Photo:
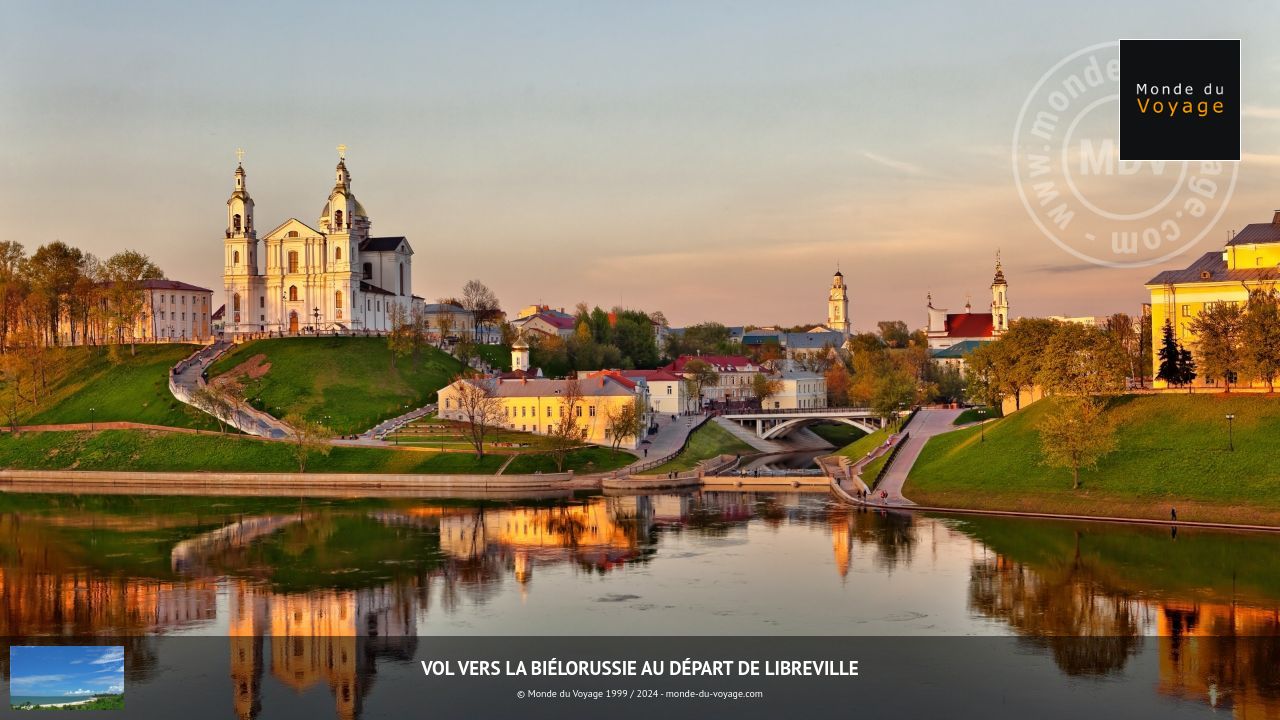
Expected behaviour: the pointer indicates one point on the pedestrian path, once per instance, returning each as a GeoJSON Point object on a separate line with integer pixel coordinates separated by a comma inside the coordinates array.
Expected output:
{"type": "Point", "coordinates": [926, 423]}
{"type": "Point", "coordinates": [669, 439]}
{"type": "Point", "coordinates": [189, 375]}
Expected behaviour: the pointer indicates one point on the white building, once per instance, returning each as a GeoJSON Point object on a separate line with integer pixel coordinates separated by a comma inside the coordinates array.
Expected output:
{"type": "Point", "coordinates": [800, 389]}
{"type": "Point", "coordinates": [333, 277]}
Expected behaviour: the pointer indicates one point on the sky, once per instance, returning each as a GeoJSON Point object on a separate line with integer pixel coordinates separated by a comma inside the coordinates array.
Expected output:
{"type": "Point", "coordinates": [714, 160]}
{"type": "Point", "coordinates": [70, 670]}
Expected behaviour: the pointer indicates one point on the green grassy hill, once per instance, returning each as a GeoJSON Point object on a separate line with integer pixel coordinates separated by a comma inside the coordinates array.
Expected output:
{"type": "Point", "coordinates": [706, 442]}
{"type": "Point", "coordinates": [1171, 451]}
{"type": "Point", "coordinates": [149, 451]}
{"type": "Point", "coordinates": [347, 384]}
{"type": "Point", "coordinates": [132, 388]}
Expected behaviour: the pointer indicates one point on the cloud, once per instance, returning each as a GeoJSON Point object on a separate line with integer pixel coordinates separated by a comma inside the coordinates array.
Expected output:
{"type": "Point", "coordinates": [119, 669]}
{"type": "Point", "coordinates": [78, 692]}
{"type": "Point", "coordinates": [112, 654]}
{"type": "Point", "coordinates": [900, 165]}
{"type": "Point", "coordinates": [28, 680]}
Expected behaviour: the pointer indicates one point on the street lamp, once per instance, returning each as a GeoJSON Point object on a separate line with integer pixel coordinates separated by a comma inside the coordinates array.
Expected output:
{"type": "Point", "coordinates": [315, 326]}
{"type": "Point", "coordinates": [1231, 445]}
{"type": "Point", "coordinates": [91, 419]}
{"type": "Point", "coordinates": [982, 426]}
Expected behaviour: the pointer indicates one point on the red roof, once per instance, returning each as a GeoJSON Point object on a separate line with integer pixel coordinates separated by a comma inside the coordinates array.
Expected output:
{"type": "Point", "coordinates": [612, 375]}
{"type": "Point", "coordinates": [969, 325]}
{"type": "Point", "coordinates": [719, 362]}
{"type": "Point", "coordinates": [658, 375]}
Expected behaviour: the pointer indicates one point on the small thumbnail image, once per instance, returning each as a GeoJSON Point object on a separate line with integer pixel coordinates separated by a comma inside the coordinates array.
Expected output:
{"type": "Point", "coordinates": [66, 677]}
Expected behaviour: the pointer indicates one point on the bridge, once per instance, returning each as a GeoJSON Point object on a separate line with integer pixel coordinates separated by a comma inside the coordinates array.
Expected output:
{"type": "Point", "coordinates": [772, 424]}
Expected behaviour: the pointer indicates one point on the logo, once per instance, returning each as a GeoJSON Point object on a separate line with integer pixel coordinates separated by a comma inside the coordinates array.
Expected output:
{"type": "Point", "coordinates": [1078, 191]}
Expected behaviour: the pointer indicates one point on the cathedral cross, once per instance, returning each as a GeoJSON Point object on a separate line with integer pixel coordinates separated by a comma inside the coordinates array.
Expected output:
{"type": "Point", "coordinates": [239, 155]}
{"type": "Point", "coordinates": [342, 152]}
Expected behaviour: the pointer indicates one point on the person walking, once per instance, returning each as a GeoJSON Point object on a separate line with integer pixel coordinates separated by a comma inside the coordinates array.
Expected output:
{"type": "Point", "coordinates": [1173, 514]}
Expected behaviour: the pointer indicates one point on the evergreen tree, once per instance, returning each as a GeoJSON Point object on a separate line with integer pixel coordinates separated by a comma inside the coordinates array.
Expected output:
{"type": "Point", "coordinates": [1186, 371]}
{"type": "Point", "coordinates": [1170, 357]}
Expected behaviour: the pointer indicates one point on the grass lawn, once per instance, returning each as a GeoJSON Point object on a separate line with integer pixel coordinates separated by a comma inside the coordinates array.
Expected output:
{"type": "Point", "coordinates": [873, 467]}
{"type": "Point", "coordinates": [863, 445]}
{"type": "Point", "coordinates": [1171, 451]}
{"type": "Point", "coordinates": [498, 356]}
{"type": "Point", "coordinates": [972, 415]}
{"type": "Point", "coordinates": [838, 434]}
{"type": "Point", "coordinates": [585, 460]}
{"type": "Point", "coordinates": [347, 384]}
{"type": "Point", "coordinates": [174, 452]}
{"type": "Point", "coordinates": [707, 441]}
{"type": "Point", "coordinates": [132, 388]}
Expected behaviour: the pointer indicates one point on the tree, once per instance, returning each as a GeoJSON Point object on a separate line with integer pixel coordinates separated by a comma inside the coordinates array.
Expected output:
{"type": "Point", "coordinates": [837, 385]}
{"type": "Point", "coordinates": [479, 407]}
{"type": "Point", "coordinates": [1120, 327]}
{"type": "Point", "coordinates": [54, 270]}
{"type": "Point", "coordinates": [698, 375]}
{"type": "Point", "coordinates": [1218, 347]}
{"type": "Point", "coordinates": [1260, 336]}
{"type": "Point", "coordinates": [1170, 356]}
{"type": "Point", "coordinates": [894, 333]}
{"type": "Point", "coordinates": [214, 403]}
{"type": "Point", "coordinates": [1075, 435]}
{"type": "Point", "coordinates": [13, 288]}
{"type": "Point", "coordinates": [764, 387]}
{"type": "Point", "coordinates": [1081, 360]}
{"type": "Point", "coordinates": [981, 383]}
{"type": "Point", "coordinates": [565, 433]}
{"type": "Point", "coordinates": [309, 438]}
{"type": "Point", "coordinates": [126, 297]}
{"type": "Point", "coordinates": [481, 302]}
{"type": "Point", "coordinates": [1186, 367]}
{"type": "Point", "coordinates": [894, 391]}
{"type": "Point", "coordinates": [627, 420]}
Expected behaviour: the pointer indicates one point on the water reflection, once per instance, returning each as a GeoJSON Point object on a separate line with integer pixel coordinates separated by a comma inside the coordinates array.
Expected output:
{"type": "Point", "coordinates": [316, 594]}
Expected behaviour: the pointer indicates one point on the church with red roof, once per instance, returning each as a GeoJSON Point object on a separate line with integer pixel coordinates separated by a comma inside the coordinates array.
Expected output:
{"type": "Point", "coordinates": [946, 329]}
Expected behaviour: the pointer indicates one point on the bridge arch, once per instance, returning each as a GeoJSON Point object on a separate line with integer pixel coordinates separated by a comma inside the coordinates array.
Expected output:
{"type": "Point", "coordinates": [785, 428]}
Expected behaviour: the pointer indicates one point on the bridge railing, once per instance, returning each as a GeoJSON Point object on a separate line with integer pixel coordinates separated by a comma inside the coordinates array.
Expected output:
{"type": "Point", "coordinates": [802, 411]}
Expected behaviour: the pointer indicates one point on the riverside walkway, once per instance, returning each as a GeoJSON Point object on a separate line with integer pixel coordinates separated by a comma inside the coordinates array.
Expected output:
{"type": "Point", "coordinates": [926, 423]}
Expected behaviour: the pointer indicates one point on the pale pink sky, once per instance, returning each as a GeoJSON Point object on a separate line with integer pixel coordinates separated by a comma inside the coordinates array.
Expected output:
{"type": "Point", "coordinates": [712, 160]}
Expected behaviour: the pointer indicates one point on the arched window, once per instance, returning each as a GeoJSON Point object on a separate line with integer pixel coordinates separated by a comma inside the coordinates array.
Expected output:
{"type": "Point", "coordinates": [368, 271]}
{"type": "Point", "coordinates": [337, 299]}
{"type": "Point", "coordinates": [235, 302]}
{"type": "Point", "coordinates": [337, 253]}
{"type": "Point", "coordinates": [235, 257]}
{"type": "Point", "coordinates": [293, 293]}
{"type": "Point", "coordinates": [337, 219]}
{"type": "Point", "coordinates": [293, 261]}
{"type": "Point", "coordinates": [235, 222]}
{"type": "Point", "coordinates": [401, 278]}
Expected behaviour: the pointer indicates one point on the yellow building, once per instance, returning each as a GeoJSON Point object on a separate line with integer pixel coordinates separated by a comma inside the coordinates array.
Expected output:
{"type": "Point", "coordinates": [537, 404]}
{"type": "Point", "coordinates": [1248, 261]}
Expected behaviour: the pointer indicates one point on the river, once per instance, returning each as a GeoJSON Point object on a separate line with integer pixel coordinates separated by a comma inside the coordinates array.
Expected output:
{"type": "Point", "coordinates": [703, 563]}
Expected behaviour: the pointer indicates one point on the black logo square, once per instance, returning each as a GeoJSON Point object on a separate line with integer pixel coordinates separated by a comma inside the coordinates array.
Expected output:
{"type": "Point", "coordinates": [1180, 100]}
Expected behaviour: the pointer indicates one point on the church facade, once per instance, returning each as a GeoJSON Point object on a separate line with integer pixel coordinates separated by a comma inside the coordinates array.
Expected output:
{"type": "Point", "coordinates": [946, 329]}
{"type": "Point", "coordinates": [334, 277]}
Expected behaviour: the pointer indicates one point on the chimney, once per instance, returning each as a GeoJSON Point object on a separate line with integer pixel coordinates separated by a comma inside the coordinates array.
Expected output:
{"type": "Point", "coordinates": [1275, 219]}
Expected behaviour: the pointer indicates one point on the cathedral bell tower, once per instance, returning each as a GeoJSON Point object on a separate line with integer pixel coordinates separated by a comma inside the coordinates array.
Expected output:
{"type": "Point", "coordinates": [241, 242]}
{"type": "Point", "coordinates": [999, 301]}
{"type": "Point", "coordinates": [838, 305]}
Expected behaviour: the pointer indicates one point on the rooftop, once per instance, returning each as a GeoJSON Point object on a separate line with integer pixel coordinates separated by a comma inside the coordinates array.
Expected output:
{"type": "Point", "coordinates": [1210, 267]}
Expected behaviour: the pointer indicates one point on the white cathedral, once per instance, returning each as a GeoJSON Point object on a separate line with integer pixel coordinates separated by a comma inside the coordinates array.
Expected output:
{"type": "Point", "coordinates": [336, 278]}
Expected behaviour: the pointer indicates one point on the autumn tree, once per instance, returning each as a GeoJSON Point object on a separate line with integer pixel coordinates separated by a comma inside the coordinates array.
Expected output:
{"type": "Point", "coordinates": [1076, 435]}
{"type": "Point", "coordinates": [479, 408]}
{"type": "Point", "coordinates": [210, 401]}
{"type": "Point", "coordinates": [624, 421]}
{"type": "Point", "coordinates": [308, 438]}
{"type": "Point", "coordinates": [124, 274]}
{"type": "Point", "coordinates": [1260, 336]}
{"type": "Point", "coordinates": [764, 387]}
{"type": "Point", "coordinates": [565, 433]}
{"type": "Point", "coordinates": [837, 377]}
{"type": "Point", "coordinates": [698, 376]}
{"type": "Point", "coordinates": [1081, 360]}
{"type": "Point", "coordinates": [1219, 347]}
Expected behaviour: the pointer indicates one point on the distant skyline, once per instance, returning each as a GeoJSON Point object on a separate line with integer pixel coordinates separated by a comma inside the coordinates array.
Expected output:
{"type": "Point", "coordinates": [711, 160]}
{"type": "Point", "coordinates": [65, 670]}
